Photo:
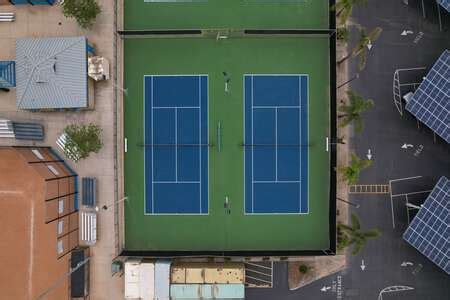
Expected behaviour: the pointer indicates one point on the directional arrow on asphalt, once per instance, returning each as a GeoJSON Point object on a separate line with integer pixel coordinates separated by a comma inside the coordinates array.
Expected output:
{"type": "Point", "coordinates": [325, 288]}
{"type": "Point", "coordinates": [363, 266]}
{"type": "Point", "coordinates": [406, 263]}
{"type": "Point", "coordinates": [369, 154]}
{"type": "Point", "coordinates": [369, 45]}
{"type": "Point", "coordinates": [406, 32]}
{"type": "Point", "coordinates": [406, 146]}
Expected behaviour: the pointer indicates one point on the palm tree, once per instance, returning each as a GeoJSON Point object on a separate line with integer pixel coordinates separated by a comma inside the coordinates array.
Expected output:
{"type": "Point", "coordinates": [353, 235]}
{"type": "Point", "coordinates": [344, 9]}
{"type": "Point", "coordinates": [363, 45]}
{"type": "Point", "coordinates": [352, 112]}
{"type": "Point", "coordinates": [352, 171]}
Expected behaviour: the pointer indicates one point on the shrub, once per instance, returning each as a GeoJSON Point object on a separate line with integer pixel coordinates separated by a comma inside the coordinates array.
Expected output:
{"type": "Point", "coordinates": [84, 11]}
{"type": "Point", "coordinates": [303, 269]}
{"type": "Point", "coordinates": [83, 139]}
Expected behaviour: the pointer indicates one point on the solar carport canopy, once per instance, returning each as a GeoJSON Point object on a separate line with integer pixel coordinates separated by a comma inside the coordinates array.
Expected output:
{"type": "Point", "coordinates": [429, 231]}
{"type": "Point", "coordinates": [445, 4]}
{"type": "Point", "coordinates": [431, 102]}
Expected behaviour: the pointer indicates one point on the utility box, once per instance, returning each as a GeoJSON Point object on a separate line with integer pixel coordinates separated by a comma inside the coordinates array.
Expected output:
{"type": "Point", "coordinates": [140, 280]}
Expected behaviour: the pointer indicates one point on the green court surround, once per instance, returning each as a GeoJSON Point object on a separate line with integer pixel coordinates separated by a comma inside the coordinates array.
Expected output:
{"type": "Point", "coordinates": [232, 14]}
{"type": "Point", "coordinates": [219, 231]}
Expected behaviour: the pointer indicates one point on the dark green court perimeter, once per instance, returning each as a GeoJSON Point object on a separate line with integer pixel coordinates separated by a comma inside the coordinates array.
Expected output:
{"type": "Point", "coordinates": [234, 14]}
{"type": "Point", "coordinates": [219, 231]}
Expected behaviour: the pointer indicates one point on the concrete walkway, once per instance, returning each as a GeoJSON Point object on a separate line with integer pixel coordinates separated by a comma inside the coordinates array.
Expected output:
{"type": "Point", "coordinates": [48, 21]}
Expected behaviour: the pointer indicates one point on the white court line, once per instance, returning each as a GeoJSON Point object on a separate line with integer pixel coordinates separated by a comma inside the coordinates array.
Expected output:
{"type": "Point", "coordinates": [187, 182]}
{"type": "Point", "coordinates": [276, 144]}
{"type": "Point", "coordinates": [276, 106]}
{"type": "Point", "coordinates": [177, 107]}
{"type": "Point", "coordinates": [300, 141]}
{"type": "Point", "coordinates": [253, 178]}
{"type": "Point", "coordinates": [176, 144]}
{"type": "Point", "coordinates": [200, 139]}
{"type": "Point", "coordinates": [153, 161]}
{"type": "Point", "coordinates": [277, 181]}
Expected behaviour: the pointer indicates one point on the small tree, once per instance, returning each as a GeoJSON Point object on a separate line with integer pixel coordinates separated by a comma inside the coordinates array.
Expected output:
{"type": "Point", "coordinates": [84, 11]}
{"type": "Point", "coordinates": [361, 47]}
{"type": "Point", "coordinates": [83, 139]}
{"type": "Point", "coordinates": [303, 269]}
{"type": "Point", "coordinates": [352, 111]}
{"type": "Point", "coordinates": [352, 171]}
{"type": "Point", "coordinates": [353, 235]}
{"type": "Point", "coordinates": [344, 9]}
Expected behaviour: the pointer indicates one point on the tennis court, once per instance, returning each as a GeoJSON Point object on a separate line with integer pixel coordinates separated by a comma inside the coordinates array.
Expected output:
{"type": "Point", "coordinates": [226, 137]}
{"type": "Point", "coordinates": [176, 141]}
{"type": "Point", "coordinates": [276, 141]}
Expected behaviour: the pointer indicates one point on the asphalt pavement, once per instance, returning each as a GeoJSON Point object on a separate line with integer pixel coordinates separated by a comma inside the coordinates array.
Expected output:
{"type": "Point", "coordinates": [384, 134]}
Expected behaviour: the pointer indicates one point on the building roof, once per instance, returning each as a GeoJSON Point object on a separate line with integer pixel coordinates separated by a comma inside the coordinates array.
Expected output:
{"type": "Point", "coordinates": [51, 73]}
{"type": "Point", "coordinates": [29, 260]}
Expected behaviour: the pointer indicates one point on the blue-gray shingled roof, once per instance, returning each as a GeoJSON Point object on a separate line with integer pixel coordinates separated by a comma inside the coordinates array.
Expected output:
{"type": "Point", "coordinates": [51, 73]}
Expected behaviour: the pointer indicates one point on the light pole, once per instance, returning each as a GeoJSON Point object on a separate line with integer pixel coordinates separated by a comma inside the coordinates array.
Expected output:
{"type": "Point", "coordinates": [105, 207]}
{"type": "Point", "coordinates": [350, 80]}
{"type": "Point", "coordinates": [348, 202]}
{"type": "Point", "coordinates": [124, 91]}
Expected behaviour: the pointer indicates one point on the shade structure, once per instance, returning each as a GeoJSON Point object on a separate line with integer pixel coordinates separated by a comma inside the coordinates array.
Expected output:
{"type": "Point", "coordinates": [429, 231]}
{"type": "Point", "coordinates": [431, 102]}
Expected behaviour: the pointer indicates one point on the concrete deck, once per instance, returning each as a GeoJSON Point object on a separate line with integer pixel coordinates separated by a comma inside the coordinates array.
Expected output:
{"type": "Point", "coordinates": [48, 21]}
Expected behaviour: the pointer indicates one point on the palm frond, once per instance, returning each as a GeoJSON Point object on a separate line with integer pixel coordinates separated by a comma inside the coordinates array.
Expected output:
{"type": "Point", "coordinates": [355, 222]}
{"type": "Point", "coordinates": [359, 125]}
{"type": "Point", "coordinates": [345, 227]}
{"type": "Point", "coordinates": [362, 59]}
{"type": "Point", "coordinates": [344, 15]}
{"type": "Point", "coordinates": [375, 34]}
{"type": "Point", "coordinates": [371, 234]}
{"type": "Point", "coordinates": [357, 248]}
{"type": "Point", "coordinates": [345, 121]}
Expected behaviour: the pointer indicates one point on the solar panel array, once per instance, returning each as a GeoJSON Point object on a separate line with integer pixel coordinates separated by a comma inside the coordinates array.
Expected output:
{"type": "Point", "coordinates": [445, 4]}
{"type": "Point", "coordinates": [429, 231]}
{"type": "Point", "coordinates": [431, 102]}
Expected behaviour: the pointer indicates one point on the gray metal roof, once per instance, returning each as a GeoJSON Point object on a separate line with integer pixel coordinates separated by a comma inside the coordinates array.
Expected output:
{"type": "Point", "coordinates": [51, 73]}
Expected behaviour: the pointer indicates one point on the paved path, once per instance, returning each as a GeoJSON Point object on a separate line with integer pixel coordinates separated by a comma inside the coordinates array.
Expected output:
{"type": "Point", "coordinates": [43, 21]}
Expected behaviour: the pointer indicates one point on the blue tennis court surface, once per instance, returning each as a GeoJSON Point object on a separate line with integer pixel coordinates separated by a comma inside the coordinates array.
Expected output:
{"type": "Point", "coordinates": [176, 139]}
{"type": "Point", "coordinates": [276, 144]}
